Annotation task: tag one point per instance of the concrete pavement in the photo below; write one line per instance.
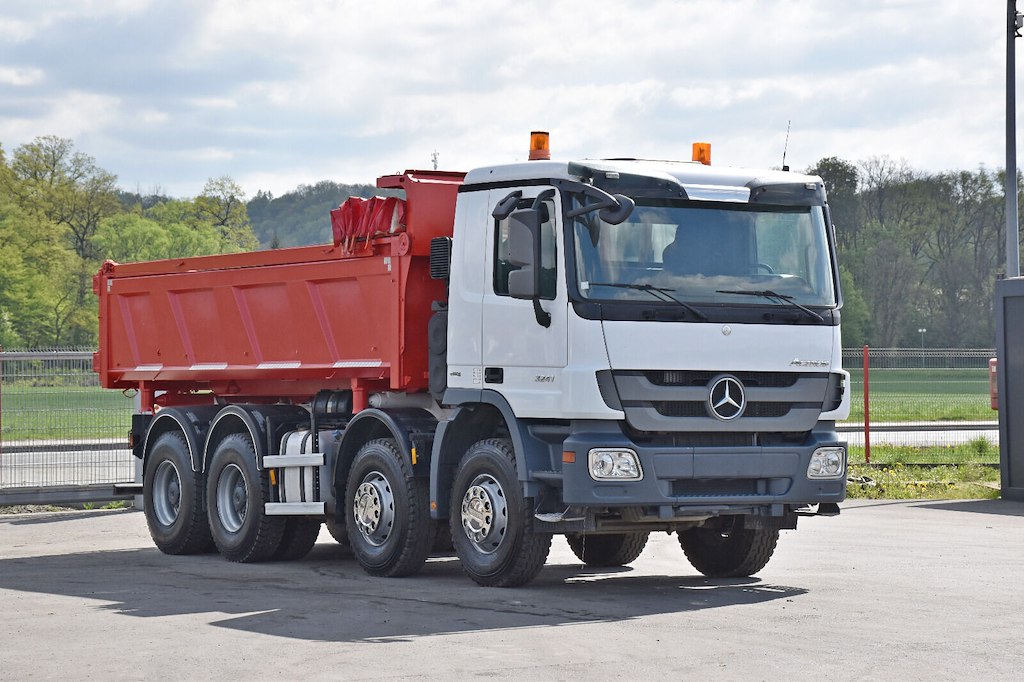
(888, 590)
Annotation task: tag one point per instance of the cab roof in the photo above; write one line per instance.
(700, 182)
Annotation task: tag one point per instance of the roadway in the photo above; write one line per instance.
(888, 590)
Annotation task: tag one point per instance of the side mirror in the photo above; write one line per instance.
(617, 214)
(524, 253)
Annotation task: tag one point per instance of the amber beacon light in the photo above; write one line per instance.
(540, 146)
(702, 152)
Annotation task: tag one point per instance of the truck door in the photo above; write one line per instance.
(522, 359)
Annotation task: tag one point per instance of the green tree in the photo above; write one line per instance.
(222, 204)
(841, 180)
(856, 316)
(32, 259)
(130, 237)
(303, 216)
(50, 178)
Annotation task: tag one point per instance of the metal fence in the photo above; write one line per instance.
(921, 397)
(62, 437)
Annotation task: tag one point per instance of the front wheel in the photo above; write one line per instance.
(386, 511)
(616, 549)
(490, 519)
(723, 548)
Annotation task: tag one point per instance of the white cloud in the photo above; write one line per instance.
(275, 93)
(20, 77)
(73, 115)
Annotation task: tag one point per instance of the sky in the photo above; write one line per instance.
(169, 93)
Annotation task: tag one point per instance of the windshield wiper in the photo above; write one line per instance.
(660, 293)
(774, 296)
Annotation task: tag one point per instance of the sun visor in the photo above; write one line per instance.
(717, 193)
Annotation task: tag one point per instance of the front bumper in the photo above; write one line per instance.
(682, 479)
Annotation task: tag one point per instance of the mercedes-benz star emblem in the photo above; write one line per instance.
(726, 399)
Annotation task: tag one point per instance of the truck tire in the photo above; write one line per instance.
(387, 512)
(173, 498)
(617, 549)
(300, 534)
(236, 493)
(727, 549)
(442, 539)
(490, 519)
(339, 532)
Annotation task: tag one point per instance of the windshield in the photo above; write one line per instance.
(706, 252)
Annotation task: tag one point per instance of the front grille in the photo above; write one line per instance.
(696, 439)
(674, 377)
(699, 409)
(676, 400)
(680, 409)
(715, 487)
(729, 487)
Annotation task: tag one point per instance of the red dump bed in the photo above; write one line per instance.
(283, 323)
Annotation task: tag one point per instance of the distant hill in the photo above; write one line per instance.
(303, 216)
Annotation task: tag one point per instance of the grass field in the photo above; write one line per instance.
(977, 451)
(899, 395)
(40, 413)
(901, 482)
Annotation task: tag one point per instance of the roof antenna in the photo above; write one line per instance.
(433, 157)
(786, 147)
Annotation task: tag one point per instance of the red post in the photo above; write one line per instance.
(867, 412)
(147, 398)
(1, 403)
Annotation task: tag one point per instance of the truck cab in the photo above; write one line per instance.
(663, 339)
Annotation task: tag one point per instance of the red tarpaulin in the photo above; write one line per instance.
(360, 219)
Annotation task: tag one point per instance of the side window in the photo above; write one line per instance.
(548, 255)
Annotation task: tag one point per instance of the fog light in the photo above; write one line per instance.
(614, 464)
(827, 463)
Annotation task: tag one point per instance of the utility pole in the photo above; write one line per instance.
(1014, 21)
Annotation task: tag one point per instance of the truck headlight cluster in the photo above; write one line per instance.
(827, 463)
(614, 464)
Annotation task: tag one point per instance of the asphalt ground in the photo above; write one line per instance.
(919, 590)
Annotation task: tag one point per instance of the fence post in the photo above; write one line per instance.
(867, 411)
(1, 416)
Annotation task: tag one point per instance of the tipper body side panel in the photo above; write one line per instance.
(285, 323)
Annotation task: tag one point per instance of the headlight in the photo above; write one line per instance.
(613, 464)
(827, 463)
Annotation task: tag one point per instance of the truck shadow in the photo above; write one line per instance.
(327, 597)
(999, 507)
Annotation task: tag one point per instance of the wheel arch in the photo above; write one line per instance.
(411, 428)
(480, 415)
(191, 423)
(264, 424)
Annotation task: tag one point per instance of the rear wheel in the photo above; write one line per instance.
(339, 532)
(300, 534)
(724, 548)
(617, 549)
(442, 539)
(173, 498)
(490, 519)
(236, 493)
(386, 511)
